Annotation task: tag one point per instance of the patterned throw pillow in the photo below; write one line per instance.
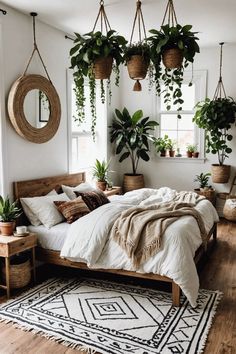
(93, 199)
(73, 209)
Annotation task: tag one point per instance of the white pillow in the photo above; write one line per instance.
(45, 210)
(28, 212)
(82, 187)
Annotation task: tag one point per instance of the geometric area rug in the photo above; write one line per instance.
(106, 317)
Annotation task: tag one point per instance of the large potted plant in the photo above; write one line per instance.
(216, 117)
(176, 47)
(9, 212)
(100, 173)
(131, 134)
(88, 54)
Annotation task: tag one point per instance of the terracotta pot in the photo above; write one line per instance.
(220, 173)
(163, 153)
(137, 67)
(102, 68)
(172, 58)
(189, 154)
(172, 153)
(7, 228)
(195, 155)
(101, 185)
(132, 182)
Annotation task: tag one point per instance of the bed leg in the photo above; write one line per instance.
(215, 233)
(175, 294)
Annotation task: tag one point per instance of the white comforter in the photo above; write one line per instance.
(88, 240)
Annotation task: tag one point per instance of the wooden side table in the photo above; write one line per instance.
(10, 246)
(115, 190)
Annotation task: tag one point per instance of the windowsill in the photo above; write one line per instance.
(182, 159)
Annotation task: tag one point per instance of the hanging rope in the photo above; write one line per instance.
(4, 12)
(34, 14)
(138, 18)
(220, 86)
(170, 13)
(103, 18)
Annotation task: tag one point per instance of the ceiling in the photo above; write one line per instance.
(213, 19)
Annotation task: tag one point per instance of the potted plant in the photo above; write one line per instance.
(176, 47)
(131, 134)
(191, 150)
(161, 145)
(93, 56)
(137, 59)
(216, 117)
(204, 188)
(100, 173)
(9, 212)
(170, 147)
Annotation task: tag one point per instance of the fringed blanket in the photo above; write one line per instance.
(139, 230)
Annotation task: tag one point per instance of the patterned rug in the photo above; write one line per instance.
(112, 318)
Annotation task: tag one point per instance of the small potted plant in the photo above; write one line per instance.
(100, 173)
(191, 150)
(93, 56)
(161, 145)
(195, 152)
(176, 47)
(137, 59)
(131, 134)
(9, 212)
(217, 117)
(204, 188)
(170, 147)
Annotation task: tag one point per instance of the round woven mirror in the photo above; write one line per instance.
(36, 132)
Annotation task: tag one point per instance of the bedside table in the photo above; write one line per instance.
(115, 190)
(10, 246)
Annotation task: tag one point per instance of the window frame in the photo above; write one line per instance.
(199, 78)
(71, 134)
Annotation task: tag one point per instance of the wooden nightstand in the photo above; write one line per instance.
(115, 190)
(10, 246)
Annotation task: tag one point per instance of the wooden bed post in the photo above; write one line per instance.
(175, 294)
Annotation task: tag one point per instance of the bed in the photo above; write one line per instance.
(40, 187)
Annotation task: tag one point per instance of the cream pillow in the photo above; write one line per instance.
(28, 212)
(82, 187)
(45, 210)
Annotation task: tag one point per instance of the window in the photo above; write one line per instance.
(83, 151)
(183, 131)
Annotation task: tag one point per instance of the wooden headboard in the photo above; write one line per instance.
(42, 186)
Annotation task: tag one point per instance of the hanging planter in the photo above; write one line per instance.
(217, 117)
(137, 55)
(95, 55)
(173, 47)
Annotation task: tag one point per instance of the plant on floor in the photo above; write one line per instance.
(131, 135)
(9, 212)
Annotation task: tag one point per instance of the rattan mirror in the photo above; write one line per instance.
(20, 122)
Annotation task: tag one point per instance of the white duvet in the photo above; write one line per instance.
(88, 240)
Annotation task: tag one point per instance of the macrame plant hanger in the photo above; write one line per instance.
(220, 86)
(138, 18)
(104, 23)
(36, 50)
(170, 15)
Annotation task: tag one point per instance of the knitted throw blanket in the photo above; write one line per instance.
(139, 230)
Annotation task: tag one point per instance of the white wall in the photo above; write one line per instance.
(178, 174)
(26, 160)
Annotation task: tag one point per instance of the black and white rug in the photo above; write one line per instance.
(112, 318)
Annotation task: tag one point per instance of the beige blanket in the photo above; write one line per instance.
(139, 230)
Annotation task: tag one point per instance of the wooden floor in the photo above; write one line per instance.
(218, 273)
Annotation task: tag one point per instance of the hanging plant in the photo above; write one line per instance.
(94, 56)
(216, 117)
(137, 55)
(175, 47)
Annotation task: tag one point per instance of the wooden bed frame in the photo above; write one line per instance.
(41, 186)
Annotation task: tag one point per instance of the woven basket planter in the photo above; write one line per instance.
(132, 182)
(210, 194)
(172, 58)
(229, 211)
(102, 68)
(137, 67)
(20, 274)
(220, 173)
